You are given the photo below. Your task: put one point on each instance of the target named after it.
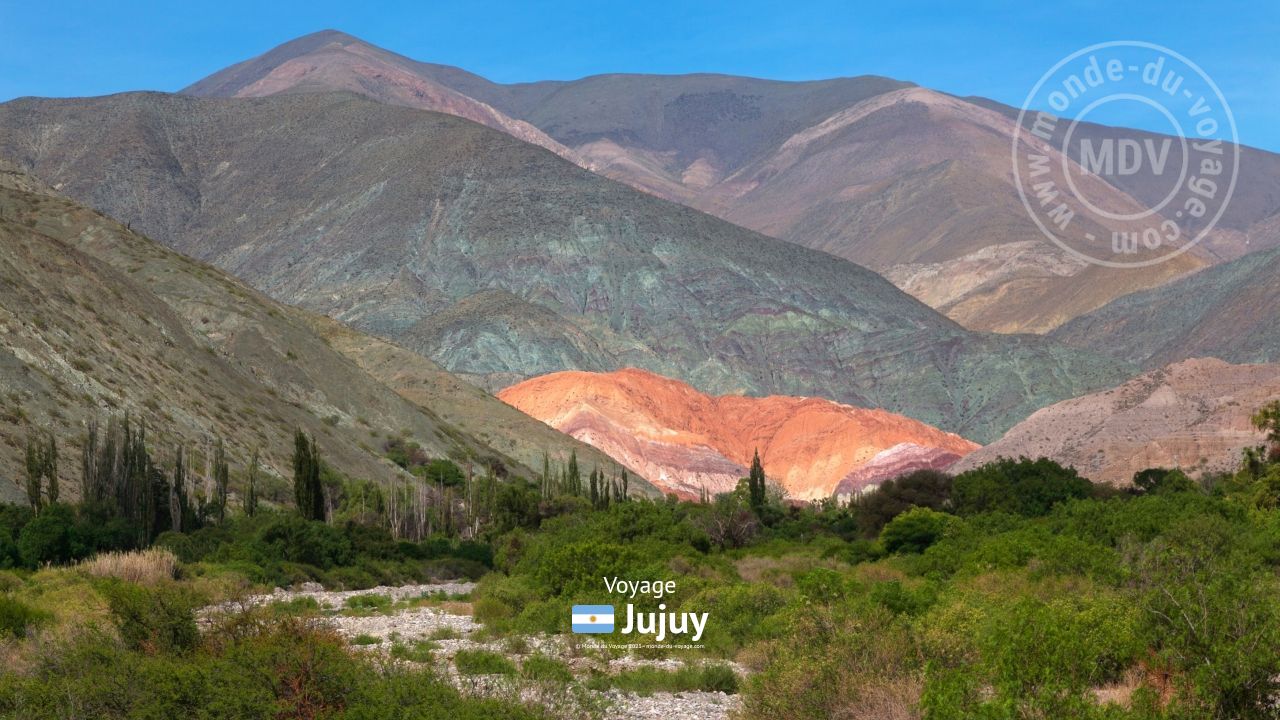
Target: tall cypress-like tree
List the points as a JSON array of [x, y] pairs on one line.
[[308, 494], [221, 477], [574, 476], [42, 470], [50, 466], [756, 483], [251, 486], [35, 471]]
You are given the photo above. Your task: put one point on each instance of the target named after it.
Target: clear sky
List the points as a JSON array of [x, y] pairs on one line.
[[998, 50]]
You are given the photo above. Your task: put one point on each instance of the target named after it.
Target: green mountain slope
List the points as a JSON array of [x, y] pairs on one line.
[[98, 321]]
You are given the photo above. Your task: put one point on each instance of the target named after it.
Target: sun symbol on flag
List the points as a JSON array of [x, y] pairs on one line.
[[593, 618]]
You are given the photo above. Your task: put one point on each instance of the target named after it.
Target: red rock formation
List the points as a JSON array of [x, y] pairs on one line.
[[684, 441], [1193, 415]]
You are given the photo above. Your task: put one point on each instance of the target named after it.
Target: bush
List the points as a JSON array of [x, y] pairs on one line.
[[17, 619], [153, 620], [482, 662], [689, 678], [371, 602], [915, 530], [541, 668]]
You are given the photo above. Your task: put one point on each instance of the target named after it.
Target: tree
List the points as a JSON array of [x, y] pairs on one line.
[[922, 488], [251, 486], [221, 477], [1267, 420], [308, 492], [35, 471], [1159, 481], [756, 483], [1022, 487], [729, 524], [41, 466]]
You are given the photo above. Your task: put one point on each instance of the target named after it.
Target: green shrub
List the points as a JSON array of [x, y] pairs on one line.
[[915, 530], [689, 678], [421, 651], [17, 619], [541, 668], [153, 619], [482, 662], [371, 602], [364, 639]]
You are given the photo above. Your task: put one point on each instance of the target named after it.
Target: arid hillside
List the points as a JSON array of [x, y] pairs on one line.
[[1192, 415]]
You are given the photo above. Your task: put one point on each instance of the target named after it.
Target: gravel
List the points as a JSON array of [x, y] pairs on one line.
[[424, 623]]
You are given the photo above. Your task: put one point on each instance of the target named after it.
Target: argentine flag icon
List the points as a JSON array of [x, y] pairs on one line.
[[593, 619]]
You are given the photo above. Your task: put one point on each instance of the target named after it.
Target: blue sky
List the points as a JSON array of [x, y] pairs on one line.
[[994, 49]]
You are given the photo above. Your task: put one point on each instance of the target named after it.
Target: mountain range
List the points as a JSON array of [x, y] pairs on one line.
[[502, 261], [907, 181], [829, 249]]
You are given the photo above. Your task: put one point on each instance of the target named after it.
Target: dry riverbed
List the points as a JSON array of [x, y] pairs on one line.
[[437, 618]]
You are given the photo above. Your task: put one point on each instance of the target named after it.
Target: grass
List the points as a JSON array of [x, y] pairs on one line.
[[541, 668], [648, 680], [421, 651], [364, 639], [146, 567], [445, 633], [483, 662], [297, 606], [369, 604]]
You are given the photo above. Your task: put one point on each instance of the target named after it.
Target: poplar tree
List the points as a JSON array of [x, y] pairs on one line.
[[308, 493], [756, 483], [251, 486]]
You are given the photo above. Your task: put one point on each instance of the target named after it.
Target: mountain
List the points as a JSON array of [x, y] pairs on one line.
[[1193, 415], [96, 320], [910, 182], [1249, 223], [463, 405], [1228, 311], [333, 61], [502, 261], [686, 441]]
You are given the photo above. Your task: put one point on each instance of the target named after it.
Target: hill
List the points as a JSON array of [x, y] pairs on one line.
[[501, 261], [96, 321], [1192, 415], [1227, 311], [687, 442]]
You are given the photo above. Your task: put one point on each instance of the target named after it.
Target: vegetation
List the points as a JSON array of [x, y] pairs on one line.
[[1015, 590]]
